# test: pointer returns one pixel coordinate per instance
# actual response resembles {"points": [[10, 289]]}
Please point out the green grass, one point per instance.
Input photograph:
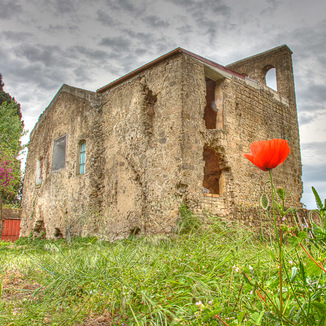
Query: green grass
{"points": [[139, 281]]}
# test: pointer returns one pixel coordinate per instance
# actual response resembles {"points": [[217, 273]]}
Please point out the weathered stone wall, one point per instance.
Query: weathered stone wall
{"points": [[261, 222], [193, 127], [261, 113], [142, 132], [150, 143], [64, 196], [253, 115], [134, 162], [256, 67], [250, 112]]}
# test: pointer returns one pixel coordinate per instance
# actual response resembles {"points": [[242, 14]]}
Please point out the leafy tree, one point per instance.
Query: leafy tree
{"points": [[11, 130], [5, 97], [6, 170]]}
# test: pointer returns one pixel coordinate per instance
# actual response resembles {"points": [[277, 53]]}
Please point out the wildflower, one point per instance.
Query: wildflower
{"points": [[199, 303], [236, 268], [268, 154], [210, 302], [291, 262]]}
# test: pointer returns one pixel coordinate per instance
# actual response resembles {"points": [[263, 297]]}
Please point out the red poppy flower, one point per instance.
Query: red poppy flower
{"points": [[268, 154]]}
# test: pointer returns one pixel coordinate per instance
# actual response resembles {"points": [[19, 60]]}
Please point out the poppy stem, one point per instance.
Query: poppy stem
{"points": [[279, 236]]}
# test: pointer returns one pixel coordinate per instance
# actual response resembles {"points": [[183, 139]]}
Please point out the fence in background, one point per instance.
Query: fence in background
{"points": [[9, 223]]}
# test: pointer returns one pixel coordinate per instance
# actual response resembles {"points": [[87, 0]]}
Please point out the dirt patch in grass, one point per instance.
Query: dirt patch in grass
{"points": [[16, 286], [105, 320], [96, 320]]}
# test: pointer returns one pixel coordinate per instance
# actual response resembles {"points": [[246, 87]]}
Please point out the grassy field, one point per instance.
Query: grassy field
{"points": [[215, 275]]}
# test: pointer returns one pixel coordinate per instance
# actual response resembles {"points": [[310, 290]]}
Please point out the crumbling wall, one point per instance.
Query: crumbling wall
{"points": [[248, 111], [62, 200], [134, 164], [260, 113], [257, 66], [152, 141], [255, 114], [142, 132], [193, 129]]}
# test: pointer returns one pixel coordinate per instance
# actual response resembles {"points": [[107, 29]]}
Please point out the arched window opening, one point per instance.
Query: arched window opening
{"points": [[212, 172], [82, 157], [270, 79]]}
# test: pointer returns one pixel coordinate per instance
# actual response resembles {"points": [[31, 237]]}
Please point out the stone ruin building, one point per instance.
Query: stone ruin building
{"points": [[123, 159]]}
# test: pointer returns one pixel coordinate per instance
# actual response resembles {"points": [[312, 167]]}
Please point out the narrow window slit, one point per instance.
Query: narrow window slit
{"points": [[82, 157], [210, 113]]}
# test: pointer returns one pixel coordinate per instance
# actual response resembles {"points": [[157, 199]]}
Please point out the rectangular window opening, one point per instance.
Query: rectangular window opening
{"points": [[59, 154], [213, 114]]}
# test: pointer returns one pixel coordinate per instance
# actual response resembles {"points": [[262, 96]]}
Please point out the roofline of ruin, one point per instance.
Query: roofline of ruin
{"points": [[258, 56], [162, 58]]}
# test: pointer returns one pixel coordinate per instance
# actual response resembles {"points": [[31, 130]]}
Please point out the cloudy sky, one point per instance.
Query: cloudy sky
{"points": [[87, 44]]}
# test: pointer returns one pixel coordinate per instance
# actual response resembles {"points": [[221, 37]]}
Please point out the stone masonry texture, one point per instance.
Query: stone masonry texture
{"points": [[173, 131]]}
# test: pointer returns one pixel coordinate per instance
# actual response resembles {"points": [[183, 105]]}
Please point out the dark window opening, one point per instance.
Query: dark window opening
{"points": [[59, 154], [212, 172], [210, 109]]}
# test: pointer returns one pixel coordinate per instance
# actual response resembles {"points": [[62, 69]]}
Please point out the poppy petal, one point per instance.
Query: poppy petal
{"points": [[280, 151], [267, 155]]}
